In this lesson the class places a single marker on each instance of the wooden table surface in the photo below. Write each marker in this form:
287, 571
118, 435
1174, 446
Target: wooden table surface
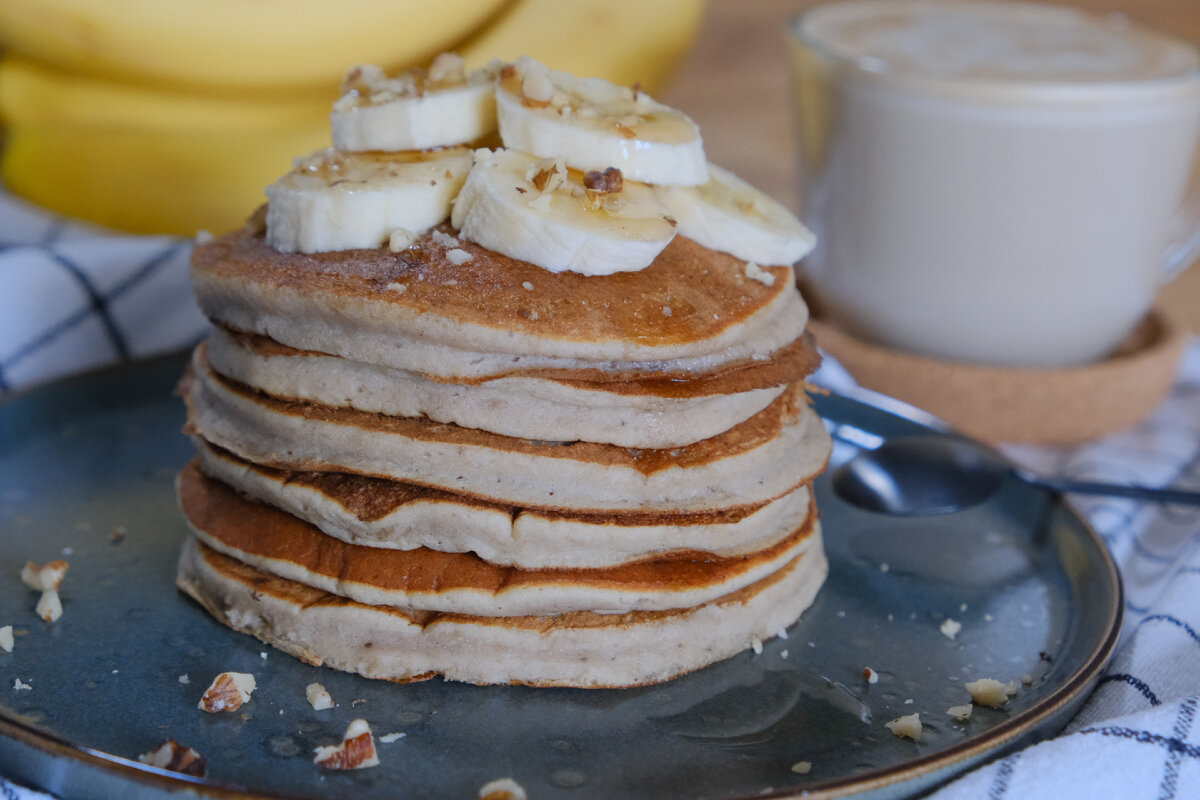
735, 84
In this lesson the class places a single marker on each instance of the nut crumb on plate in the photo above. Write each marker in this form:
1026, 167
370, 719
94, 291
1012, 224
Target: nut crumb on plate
870, 675
318, 696
356, 751
388, 738
21, 686
227, 692
502, 789
173, 756
6, 639
960, 713
802, 767
906, 727
950, 628
49, 606
990, 692
41, 577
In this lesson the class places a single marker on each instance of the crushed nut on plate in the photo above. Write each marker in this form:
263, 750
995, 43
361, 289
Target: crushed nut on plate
43, 577
502, 789
357, 750
173, 756
227, 692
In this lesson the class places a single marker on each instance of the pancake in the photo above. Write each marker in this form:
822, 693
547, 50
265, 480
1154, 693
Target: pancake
692, 310
661, 414
764, 457
273, 541
393, 515
581, 649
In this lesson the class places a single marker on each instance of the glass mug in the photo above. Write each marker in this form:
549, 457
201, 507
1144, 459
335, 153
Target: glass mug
993, 182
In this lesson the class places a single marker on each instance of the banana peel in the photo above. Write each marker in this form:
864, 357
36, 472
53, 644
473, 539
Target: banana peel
145, 158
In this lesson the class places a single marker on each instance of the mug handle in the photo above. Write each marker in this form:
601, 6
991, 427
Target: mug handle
1184, 246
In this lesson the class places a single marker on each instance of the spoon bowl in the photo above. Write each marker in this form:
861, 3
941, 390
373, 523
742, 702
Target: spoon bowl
938, 474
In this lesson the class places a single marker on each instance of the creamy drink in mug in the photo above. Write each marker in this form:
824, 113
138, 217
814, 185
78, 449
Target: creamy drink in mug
993, 182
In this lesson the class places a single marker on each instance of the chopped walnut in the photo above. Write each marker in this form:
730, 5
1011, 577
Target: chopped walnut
991, 692
49, 606
537, 89
600, 188
950, 628
447, 68
357, 750
318, 696
547, 174
756, 273
6, 639
960, 713
608, 182
401, 239
173, 756
227, 692
502, 789
802, 767
870, 675
907, 727
41, 577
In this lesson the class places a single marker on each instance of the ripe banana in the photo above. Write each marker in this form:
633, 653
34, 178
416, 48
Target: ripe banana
535, 210
730, 215
624, 41
145, 160
416, 110
594, 124
241, 44
343, 201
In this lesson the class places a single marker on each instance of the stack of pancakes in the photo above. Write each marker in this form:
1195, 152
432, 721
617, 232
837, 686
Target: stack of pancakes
445, 461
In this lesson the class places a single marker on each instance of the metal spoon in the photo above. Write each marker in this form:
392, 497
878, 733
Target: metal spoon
927, 475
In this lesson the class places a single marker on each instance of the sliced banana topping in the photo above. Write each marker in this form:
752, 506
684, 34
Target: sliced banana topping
538, 210
593, 124
730, 215
343, 201
416, 110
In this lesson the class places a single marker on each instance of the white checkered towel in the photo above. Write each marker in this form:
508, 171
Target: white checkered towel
73, 298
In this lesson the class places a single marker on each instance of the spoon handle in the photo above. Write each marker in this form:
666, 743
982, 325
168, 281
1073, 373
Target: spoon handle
1149, 494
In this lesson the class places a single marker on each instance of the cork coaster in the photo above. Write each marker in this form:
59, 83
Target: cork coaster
1042, 406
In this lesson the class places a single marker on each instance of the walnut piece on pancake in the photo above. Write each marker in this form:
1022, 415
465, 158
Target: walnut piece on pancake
356, 751
228, 692
41, 577
173, 756
502, 789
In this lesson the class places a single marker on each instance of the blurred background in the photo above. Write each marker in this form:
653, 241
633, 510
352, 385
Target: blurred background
155, 117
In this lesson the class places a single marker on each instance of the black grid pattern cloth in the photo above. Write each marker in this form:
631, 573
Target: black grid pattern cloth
74, 298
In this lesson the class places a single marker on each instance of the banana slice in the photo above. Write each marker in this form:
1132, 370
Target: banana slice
593, 124
343, 201
537, 210
416, 110
730, 215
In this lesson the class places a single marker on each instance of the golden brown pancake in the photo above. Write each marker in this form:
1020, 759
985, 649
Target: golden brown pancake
761, 459
582, 649
276, 542
395, 515
693, 308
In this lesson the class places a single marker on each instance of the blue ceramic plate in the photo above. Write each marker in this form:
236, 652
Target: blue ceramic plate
86, 474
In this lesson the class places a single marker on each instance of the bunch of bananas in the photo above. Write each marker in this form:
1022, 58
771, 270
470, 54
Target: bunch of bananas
156, 117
